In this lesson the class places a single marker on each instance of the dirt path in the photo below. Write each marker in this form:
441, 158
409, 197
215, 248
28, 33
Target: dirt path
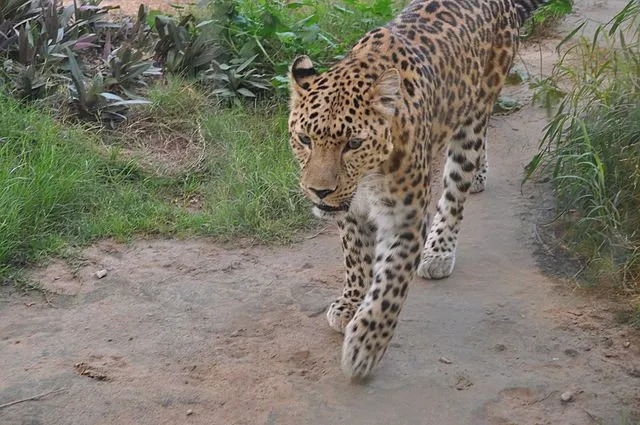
189, 332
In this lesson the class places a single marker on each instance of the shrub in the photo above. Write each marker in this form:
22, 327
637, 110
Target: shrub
591, 149
546, 16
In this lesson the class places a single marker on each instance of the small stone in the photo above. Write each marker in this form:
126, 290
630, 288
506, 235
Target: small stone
189, 412
444, 360
635, 373
500, 347
237, 333
627, 344
101, 273
566, 396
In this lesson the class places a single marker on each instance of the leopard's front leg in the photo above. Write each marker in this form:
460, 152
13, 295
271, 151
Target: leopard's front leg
358, 239
401, 234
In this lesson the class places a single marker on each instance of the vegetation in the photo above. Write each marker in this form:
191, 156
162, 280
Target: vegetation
86, 63
163, 152
55, 187
165, 155
591, 149
546, 17
58, 189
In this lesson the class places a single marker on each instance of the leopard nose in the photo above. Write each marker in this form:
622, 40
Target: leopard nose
322, 193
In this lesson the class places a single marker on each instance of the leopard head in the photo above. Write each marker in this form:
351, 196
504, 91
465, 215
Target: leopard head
340, 127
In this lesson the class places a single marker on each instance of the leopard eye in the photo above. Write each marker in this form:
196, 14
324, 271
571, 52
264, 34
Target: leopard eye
305, 140
354, 144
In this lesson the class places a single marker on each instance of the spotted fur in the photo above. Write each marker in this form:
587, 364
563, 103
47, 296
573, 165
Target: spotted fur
365, 133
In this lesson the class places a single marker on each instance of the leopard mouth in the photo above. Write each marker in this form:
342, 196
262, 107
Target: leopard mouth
328, 208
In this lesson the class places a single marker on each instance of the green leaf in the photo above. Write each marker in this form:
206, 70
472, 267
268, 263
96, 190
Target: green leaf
131, 102
531, 167
111, 96
246, 92
245, 64
570, 35
295, 4
286, 37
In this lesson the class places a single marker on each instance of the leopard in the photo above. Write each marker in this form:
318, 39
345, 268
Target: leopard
365, 133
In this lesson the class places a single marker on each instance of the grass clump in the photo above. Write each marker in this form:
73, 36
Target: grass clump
248, 186
592, 150
546, 17
55, 189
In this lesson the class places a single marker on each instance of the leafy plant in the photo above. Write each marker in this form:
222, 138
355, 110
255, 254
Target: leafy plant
128, 67
136, 33
183, 48
235, 80
591, 149
13, 13
546, 16
276, 31
27, 82
35, 48
93, 101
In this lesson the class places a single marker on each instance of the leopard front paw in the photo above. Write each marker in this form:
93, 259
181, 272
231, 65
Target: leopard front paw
340, 313
437, 266
478, 184
365, 342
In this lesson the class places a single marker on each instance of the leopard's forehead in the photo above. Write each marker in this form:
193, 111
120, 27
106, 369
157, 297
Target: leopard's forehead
334, 105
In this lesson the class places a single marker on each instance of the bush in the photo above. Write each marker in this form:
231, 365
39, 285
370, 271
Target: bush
546, 16
591, 149
276, 31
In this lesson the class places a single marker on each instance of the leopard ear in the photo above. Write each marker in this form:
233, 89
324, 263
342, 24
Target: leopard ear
385, 92
302, 71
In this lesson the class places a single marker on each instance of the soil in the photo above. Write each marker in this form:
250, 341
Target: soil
194, 332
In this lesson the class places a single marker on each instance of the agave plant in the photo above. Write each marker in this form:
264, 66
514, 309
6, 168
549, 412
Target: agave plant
136, 33
93, 101
13, 13
182, 47
27, 82
127, 67
235, 80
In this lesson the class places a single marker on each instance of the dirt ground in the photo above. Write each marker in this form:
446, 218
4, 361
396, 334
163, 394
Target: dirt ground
192, 332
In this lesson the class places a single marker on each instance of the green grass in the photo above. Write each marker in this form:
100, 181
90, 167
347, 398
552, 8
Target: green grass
55, 189
546, 17
251, 183
60, 187
592, 151
245, 183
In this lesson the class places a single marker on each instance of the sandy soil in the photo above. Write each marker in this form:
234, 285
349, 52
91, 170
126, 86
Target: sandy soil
192, 332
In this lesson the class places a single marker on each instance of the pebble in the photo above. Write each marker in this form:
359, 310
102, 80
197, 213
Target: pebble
627, 344
101, 273
189, 412
444, 360
566, 396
